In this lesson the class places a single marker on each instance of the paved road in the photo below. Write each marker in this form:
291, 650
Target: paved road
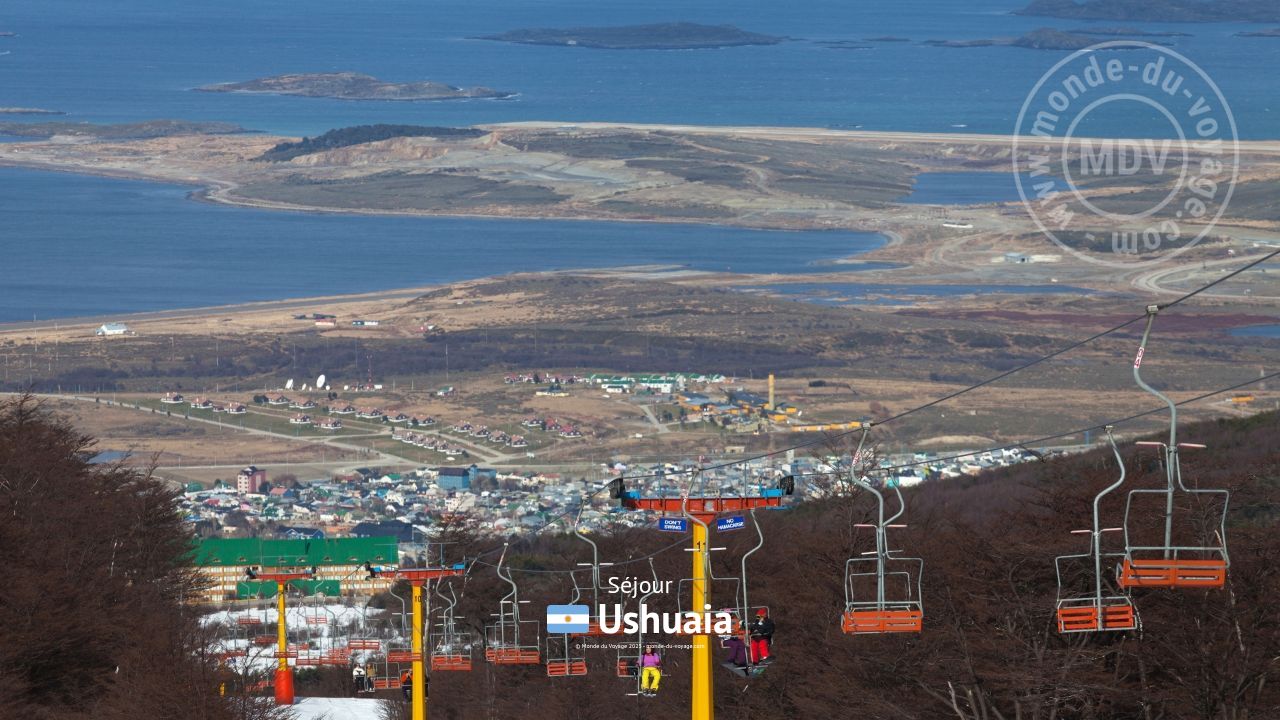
653, 420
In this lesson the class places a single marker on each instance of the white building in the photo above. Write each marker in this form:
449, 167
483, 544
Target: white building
113, 328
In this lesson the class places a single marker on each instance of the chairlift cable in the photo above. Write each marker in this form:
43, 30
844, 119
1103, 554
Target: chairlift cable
951, 396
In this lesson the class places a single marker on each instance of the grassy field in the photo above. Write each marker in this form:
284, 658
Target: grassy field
865, 360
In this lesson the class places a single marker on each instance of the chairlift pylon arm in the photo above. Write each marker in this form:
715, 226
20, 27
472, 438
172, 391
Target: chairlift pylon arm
1152, 310
684, 509
857, 479
577, 591
514, 595
1097, 500
746, 606
595, 558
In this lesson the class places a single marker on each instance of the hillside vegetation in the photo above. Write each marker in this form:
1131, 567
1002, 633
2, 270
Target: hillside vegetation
97, 570
989, 649
360, 134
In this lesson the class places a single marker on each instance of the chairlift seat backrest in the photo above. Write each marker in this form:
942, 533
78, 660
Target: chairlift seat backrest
865, 622
1115, 615
1172, 573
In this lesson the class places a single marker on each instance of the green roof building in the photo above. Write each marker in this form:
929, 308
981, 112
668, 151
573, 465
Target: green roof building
242, 552
339, 564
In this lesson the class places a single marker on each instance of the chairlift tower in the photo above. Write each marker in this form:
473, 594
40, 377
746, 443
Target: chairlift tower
701, 510
284, 674
417, 578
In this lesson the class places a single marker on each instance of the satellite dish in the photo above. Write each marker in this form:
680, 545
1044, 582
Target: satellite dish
289, 385
320, 381
304, 387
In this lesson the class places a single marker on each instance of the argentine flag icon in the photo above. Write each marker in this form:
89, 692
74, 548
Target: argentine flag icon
568, 618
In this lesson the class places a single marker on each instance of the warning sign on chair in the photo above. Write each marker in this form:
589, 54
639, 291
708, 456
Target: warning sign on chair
737, 522
673, 524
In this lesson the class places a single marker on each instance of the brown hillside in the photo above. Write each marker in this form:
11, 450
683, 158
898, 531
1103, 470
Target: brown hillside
989, 649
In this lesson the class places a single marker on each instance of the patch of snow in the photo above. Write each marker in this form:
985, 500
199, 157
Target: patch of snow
337, 709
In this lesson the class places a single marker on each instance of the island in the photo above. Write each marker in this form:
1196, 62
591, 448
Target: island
662, 36
888, 38
8, 33
353, 86
28, 111
1273, 32
1157, 10
1128, 32
123, 131
1041, 39
842, 45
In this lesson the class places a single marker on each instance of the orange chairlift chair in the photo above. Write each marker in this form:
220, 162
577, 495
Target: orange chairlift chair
399, 656
510, 640
365, 641
629, 654
1196, 555
565, 657
890, 610
1097, 611
593, 624
451, 651
745, 612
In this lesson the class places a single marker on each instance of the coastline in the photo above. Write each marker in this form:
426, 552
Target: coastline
213, 193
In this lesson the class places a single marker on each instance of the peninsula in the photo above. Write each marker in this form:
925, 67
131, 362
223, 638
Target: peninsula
353, 86
1041, 39
770, 178
1127, 32
663, 36
1158, 10
123, 131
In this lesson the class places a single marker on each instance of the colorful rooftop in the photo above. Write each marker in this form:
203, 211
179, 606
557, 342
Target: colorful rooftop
221, 552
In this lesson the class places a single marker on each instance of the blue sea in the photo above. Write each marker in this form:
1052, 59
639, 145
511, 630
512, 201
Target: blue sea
127, 246
128, 60
1265, 331
93, 246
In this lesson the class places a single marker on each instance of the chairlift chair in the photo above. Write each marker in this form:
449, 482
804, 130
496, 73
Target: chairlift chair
628, 665
746, 613
451, 651
897, 606
565, 657
563, 650
593, 617
510, 640
364, 641
1177, 560
1097, 611
401, 657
